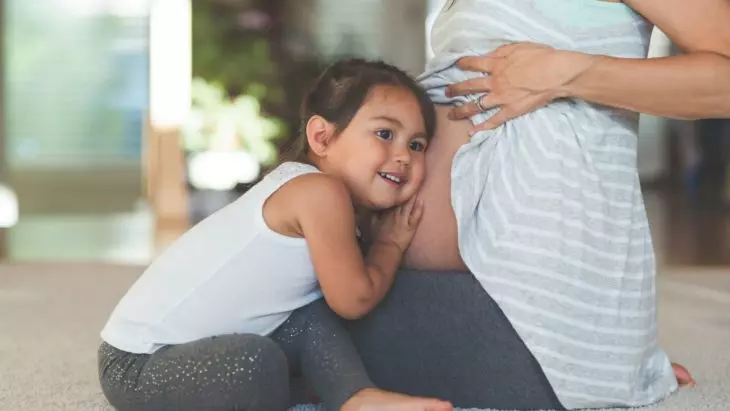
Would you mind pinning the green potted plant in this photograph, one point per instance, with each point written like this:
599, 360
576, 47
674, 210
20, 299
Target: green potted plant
228, 140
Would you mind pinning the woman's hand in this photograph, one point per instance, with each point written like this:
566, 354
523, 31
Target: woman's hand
522, 78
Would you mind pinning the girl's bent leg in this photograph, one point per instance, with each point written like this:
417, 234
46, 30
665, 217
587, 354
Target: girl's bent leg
440, 334
232, 372
319, 347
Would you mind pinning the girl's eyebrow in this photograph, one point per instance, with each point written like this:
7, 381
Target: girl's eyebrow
390, 120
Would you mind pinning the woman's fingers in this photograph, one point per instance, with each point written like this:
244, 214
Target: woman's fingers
489, 62
501, 117
506, 50
481, 64
472, 86
511, 111
469, 110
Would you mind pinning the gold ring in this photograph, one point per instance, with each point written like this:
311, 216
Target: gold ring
480, 106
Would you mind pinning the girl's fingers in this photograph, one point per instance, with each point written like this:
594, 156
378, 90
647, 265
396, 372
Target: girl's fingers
417, 213
406, 209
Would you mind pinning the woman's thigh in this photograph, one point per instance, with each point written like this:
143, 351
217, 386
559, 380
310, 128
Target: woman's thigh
440, 334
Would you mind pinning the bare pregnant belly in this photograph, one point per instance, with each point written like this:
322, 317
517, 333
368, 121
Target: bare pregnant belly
435, 245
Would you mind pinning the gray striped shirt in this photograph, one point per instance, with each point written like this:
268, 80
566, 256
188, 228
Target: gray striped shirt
550, 213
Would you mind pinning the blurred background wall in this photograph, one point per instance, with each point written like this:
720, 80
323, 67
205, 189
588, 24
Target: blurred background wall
124, 121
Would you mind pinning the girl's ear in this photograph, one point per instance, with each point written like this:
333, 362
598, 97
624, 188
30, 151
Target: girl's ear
320, 135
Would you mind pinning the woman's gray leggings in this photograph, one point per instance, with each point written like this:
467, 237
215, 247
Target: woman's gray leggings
435, 334
440, 334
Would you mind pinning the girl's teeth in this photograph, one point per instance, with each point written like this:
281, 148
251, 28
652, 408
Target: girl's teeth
391, 178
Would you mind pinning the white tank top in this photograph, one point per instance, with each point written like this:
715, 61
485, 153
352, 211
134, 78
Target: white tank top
229, 274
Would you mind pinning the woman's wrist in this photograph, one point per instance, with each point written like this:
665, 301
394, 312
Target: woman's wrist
580, 66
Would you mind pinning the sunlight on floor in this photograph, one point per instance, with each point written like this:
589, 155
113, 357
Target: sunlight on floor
118, 238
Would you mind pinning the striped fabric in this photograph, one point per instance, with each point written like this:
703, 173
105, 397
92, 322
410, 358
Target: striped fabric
550, 212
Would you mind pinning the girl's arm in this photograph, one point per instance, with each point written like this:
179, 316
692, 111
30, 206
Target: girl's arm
351, 285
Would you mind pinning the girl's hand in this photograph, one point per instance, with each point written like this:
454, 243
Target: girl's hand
523, 77
398, 225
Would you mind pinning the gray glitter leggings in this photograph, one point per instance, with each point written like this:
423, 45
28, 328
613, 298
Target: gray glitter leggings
239, 372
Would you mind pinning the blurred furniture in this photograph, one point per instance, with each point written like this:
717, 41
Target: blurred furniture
170, 81
166, 191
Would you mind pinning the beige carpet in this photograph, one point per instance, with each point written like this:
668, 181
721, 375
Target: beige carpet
50, 316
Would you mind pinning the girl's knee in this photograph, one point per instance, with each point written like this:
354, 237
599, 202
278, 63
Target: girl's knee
245, 371
251, 353
317, 312
259, 371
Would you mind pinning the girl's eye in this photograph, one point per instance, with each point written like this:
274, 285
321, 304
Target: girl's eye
385, 134
417, 146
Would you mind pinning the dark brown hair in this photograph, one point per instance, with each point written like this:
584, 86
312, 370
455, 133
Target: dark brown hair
341, 90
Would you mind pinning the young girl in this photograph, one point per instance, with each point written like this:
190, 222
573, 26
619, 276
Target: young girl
224, 317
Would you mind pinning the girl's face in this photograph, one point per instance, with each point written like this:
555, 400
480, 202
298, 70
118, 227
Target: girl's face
381, 154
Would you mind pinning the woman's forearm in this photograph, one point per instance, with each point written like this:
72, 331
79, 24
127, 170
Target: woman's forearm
689, 86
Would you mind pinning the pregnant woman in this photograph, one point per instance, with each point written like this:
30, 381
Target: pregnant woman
531, 279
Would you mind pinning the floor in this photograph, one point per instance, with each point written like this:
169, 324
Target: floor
51, 315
